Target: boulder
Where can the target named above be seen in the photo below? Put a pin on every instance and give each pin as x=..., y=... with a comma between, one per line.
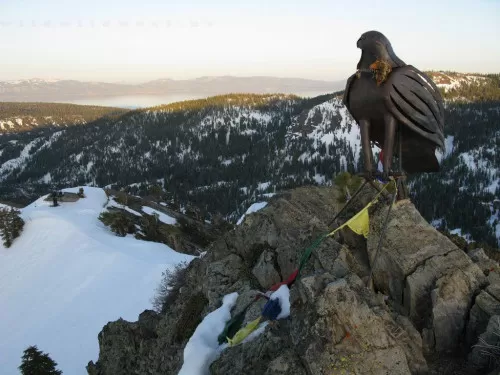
x=451, y=301
x=485, y=355
x=425, y=274
x=269, y=354
x=340, y=326
x=264, y=270
x=479, y=257
x=222, y=276
x=485, y=307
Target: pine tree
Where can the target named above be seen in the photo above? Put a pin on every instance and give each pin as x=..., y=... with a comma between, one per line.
x=11, y=225
x=36, y=362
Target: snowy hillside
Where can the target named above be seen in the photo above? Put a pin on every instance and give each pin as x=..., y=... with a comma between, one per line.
x=222, y=154
x=67, y=276
x=23, y=117
x=452, y=80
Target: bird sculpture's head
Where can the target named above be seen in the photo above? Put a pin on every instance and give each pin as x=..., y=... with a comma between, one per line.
x=376, y=47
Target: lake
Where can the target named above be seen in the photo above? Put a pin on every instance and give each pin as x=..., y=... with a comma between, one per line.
x=142, y=101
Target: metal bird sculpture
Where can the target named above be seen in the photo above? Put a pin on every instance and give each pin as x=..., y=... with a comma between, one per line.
x=386, y=96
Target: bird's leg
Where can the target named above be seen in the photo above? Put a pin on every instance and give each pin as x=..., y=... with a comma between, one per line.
x=400, y=151
x=364, y=126
x=390, y=133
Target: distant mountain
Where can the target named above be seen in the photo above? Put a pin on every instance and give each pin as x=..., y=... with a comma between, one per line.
x=64, y=90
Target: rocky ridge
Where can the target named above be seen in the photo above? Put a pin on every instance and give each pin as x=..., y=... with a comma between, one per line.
x=430, y=303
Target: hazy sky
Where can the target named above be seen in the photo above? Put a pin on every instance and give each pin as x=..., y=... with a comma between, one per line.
x=133, y=41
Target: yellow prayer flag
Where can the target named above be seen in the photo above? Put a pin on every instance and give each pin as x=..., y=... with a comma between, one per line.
x=244, y=332
x=360, y=223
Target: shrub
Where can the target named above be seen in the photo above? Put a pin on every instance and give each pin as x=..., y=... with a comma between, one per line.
x=190, y=317
x=121, y=197
x=11, y=225
x=347, y=184
x=168, y=290
x=34, y=361
x=118, y=221
x=150, y=228
x=198, y=236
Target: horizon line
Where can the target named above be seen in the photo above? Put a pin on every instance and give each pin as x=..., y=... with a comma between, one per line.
x=124, y=82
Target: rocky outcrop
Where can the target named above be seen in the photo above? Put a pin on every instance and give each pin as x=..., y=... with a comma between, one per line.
x=428, y=278
x=430, y=300
x=486, y=353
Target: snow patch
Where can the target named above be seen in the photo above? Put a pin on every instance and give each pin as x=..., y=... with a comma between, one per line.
x=113, y=203
x=203, y=346
x=164, y=218
x=319, y=178
x=67, y=275
x=47, y=178
x=263, y=185
x=253, y=208
x=283, y=295
x=436, y=223
x=465, y=236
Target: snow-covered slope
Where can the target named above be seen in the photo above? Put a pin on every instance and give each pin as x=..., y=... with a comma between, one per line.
x=224, y=153
x=451, y=80
x=66, y=276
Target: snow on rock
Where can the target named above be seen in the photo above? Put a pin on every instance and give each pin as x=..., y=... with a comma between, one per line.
x=465, y=236
x=68, y=275
x=268, y=195
x=113, y=203
x=163, y=217
x=319, y=178
x=283, y=294
x=47, y=178
x=494, y=222
x=493, y=186
x=253, y=208
x=330, y=113
x=436, y=223
x=263, y=185
x=203, y=346
x=448, y=144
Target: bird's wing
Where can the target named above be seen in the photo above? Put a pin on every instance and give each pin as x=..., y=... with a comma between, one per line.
x=414, y=100
x=347, y=90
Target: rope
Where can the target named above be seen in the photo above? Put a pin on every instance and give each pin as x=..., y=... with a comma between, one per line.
x=382, y=233
x=308, y=251
x=372, y=202
x=233, y=324
x=348, y=202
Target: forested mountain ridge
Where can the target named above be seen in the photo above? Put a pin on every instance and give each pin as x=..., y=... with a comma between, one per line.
x=467, y=87
x=20, y=117
x=223, y=153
